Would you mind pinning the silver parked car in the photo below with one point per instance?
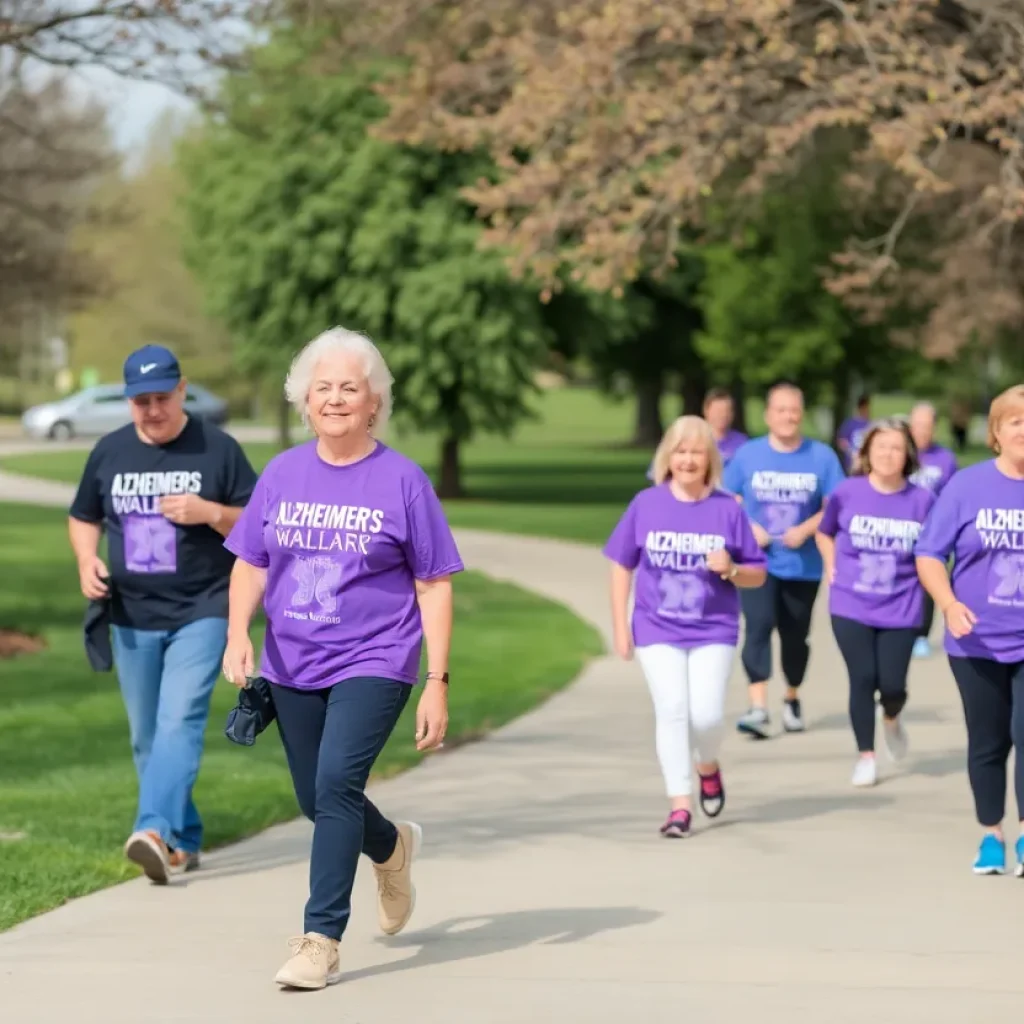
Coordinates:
(99, 410)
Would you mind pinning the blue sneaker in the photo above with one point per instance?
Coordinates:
(1020, 857)
(991, 859)
(922, 648)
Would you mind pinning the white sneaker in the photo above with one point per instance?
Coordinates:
(865, 772)
(894, 736)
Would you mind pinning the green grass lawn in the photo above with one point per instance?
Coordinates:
(568, 474)
(66, 777)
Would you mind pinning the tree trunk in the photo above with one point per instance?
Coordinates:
(693, 388)
(738, 387)
(450, 483)
(648, 430)
(284, 423)
(840, 399)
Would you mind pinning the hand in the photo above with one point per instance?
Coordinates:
(432, 715)
(960, 620)
(91, 573)
(794, 537)
(239, 660)
(761, 535)
(720, 561)
(188, 509)
(623, 644)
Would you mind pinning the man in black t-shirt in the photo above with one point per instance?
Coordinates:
(166, 490)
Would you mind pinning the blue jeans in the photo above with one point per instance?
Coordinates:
(331, 738)
(167, 679)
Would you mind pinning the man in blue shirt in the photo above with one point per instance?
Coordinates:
(782, 481)
(166, 490)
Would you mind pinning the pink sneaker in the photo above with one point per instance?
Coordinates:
(677, 826)
(712, 793)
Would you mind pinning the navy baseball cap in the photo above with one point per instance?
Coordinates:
(150, 369)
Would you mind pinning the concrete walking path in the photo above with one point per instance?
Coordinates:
(546, 895)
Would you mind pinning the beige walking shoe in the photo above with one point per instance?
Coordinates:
(396, 895)
(314, 963)
(150, 852)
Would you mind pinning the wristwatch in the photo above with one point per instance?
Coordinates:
(732, 573)
(442, 676)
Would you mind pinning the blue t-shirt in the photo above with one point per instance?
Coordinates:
(783, 489)
(163, 575)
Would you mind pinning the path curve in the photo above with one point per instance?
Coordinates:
(545, 894)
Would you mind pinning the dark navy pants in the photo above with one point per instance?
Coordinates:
(785, 606)
(332, 737)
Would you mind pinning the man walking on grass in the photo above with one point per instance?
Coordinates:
(165, 489)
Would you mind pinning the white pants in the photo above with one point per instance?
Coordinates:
(688, 691)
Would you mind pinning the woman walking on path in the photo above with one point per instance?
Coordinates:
(866, 538)
(782, 481)
(690, 546)
(346, 544)
(979, 520)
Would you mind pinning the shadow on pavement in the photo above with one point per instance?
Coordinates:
(465, 938)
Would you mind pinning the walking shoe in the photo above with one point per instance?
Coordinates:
(991, 859)
(792, 718)
(677, 826)
(181, 862)
(1019, 871)
(151, 853)
(894, 736)
(314, 963)
(755, 722)
(865, 772)
(712, 793)
(922, 647)
(396, 895)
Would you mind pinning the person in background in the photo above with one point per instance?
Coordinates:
(165, 489)
(346, 546)
(719, 412)
(851, 432)
(866, 538)
(960, 422)
(937, 466)
(782, 481)
(978, 519)
(690, 546)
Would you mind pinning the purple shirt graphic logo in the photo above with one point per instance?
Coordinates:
(150, 544)
(877, 573)
(779, 518)
(1006, 579)
(316, 581)
(682, 595)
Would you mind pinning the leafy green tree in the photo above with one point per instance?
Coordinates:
(301, 219)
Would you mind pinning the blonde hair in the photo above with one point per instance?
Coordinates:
(338, 339)
(688, 428)
(1009, 403)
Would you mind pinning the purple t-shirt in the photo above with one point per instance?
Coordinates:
(678, 600)
(979, 519)
(876, 577)
(343, 547)
(938, 465)
(852, 432)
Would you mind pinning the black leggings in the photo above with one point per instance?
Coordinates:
(993, 699)
(785, 605)
(927, 615)
(877, 661)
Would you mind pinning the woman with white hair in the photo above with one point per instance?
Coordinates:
(346, 545)
(690, 546)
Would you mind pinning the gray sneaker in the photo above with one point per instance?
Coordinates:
(894, 736)
(792, 716)
(755, 723)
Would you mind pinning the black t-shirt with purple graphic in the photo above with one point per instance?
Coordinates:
(163, 575)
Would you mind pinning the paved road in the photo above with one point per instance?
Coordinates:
(546, 894)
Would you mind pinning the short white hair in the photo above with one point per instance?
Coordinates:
(334, 341)
(924, 407)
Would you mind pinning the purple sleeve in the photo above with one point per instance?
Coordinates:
(749, 552)
(246, 537)
(829, 524)
(940, 530)
(429, 545)
(622, 546)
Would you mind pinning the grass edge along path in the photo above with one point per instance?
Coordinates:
(67, 785)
